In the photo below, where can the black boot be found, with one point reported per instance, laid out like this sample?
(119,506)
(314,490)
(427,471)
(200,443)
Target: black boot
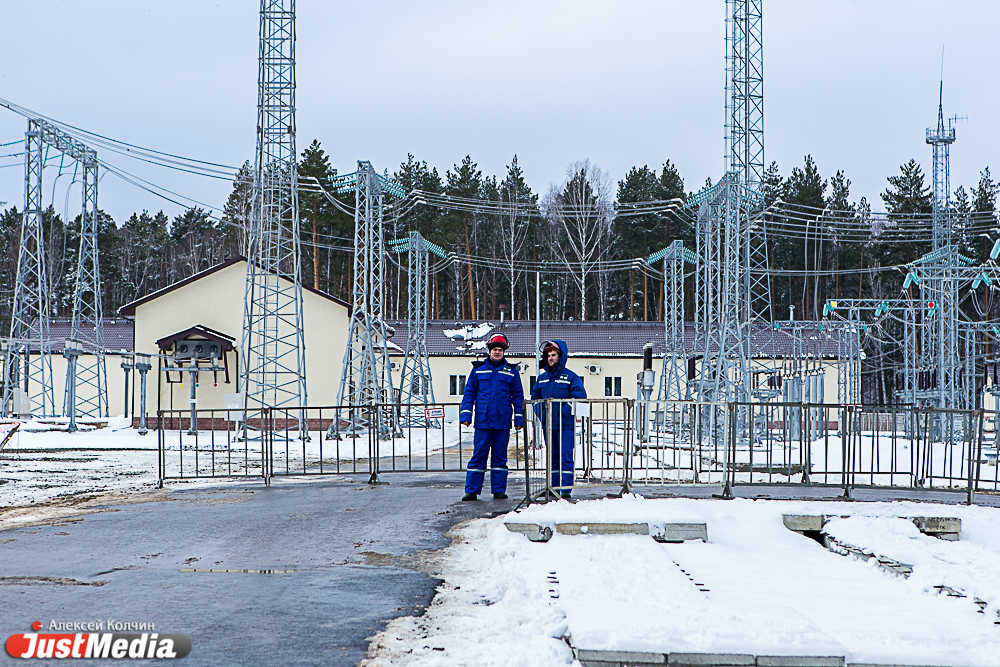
(500,496)
(469,496)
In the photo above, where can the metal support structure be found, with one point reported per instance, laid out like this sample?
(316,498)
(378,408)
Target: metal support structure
(366,376)
(731,288)
(415,385)
(673,377)
(939,368)
(143,366)
(273,339)
(28,363)
(89,373)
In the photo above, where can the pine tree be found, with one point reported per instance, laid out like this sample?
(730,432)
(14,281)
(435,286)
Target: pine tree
(637,235)
(238,209)
(314,209)
(519,206)
(464,181)
(908,197)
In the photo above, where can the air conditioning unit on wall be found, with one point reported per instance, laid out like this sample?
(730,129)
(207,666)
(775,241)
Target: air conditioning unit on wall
(593,369)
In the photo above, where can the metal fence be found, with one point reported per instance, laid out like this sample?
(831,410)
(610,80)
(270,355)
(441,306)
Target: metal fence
(600,431)
(211,443)
(615,441)
(323,440)
(659,442)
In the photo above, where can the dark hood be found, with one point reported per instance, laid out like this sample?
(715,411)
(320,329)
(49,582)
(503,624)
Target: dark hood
(563,356)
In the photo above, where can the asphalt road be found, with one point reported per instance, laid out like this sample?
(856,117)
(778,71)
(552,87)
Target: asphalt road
(351,547)
(354,551)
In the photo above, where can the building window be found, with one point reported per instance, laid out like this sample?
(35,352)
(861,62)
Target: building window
(456,385)
(420,386)
(612,386)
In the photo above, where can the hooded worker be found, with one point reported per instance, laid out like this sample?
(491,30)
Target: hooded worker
(558,382)
(493,394)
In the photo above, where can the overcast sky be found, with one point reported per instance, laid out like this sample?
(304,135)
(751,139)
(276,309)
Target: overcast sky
(853,82)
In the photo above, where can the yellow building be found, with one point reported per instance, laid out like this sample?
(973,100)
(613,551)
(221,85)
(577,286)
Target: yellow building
(212,302)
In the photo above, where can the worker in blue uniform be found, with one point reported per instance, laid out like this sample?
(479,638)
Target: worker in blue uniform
(493,394)
(557,381)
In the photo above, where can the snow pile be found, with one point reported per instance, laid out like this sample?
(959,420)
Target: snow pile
(968,566)
(469,332)
(755,587)
(495,608)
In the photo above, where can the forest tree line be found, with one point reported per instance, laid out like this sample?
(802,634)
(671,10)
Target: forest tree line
(571,230)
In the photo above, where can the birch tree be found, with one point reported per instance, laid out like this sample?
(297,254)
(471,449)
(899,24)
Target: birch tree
(580,213)
(517,203)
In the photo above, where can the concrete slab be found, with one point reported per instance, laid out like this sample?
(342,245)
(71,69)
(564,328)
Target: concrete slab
(596,658)
(532,531)
(945,528)
(799,661)
(710,660)
(803,522)
(602,528)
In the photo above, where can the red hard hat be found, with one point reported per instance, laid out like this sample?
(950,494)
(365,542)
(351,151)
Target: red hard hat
(498,339)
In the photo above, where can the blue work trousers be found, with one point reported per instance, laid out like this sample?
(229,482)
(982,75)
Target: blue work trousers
(561,446)
(492,443)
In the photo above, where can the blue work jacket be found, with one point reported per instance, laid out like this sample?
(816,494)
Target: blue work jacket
(493,394)
(559,382)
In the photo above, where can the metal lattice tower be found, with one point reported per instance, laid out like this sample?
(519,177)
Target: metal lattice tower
(273,343)
(939,370)
(731,288)
(745,91)
(415,384)
(88,371)
(29,328)
(366,376)
(745,141)
(673,377)
(941,139)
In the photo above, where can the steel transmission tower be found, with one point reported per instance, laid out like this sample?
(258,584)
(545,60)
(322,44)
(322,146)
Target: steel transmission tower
(273,344)
(731,281)
(29,327)
(415,384)
(938,378)
(86,371)
(673,378)
(366,376)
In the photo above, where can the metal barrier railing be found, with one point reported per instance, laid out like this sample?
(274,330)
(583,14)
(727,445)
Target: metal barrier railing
(614,441)
(211,443)
(374,439)
(565,438)
(319,440)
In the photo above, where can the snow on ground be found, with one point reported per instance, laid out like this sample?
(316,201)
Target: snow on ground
(755,587)
(37,466)
(43,465)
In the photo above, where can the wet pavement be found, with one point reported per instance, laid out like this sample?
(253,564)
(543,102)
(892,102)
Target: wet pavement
(351,549)
(329,561)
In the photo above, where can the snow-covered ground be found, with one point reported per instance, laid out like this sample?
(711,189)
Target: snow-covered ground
(47,472)
(755,587)
(43,465)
